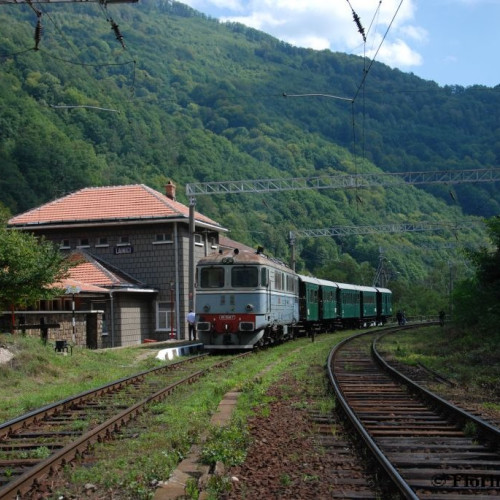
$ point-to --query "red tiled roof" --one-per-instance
(99, 204)
(82, 286)
(92, 276)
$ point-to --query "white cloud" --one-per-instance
(324, 24)
(207, 5)
(398, 54)
(416, 33)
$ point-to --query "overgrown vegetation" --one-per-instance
(169, 429)
(37, 375)
(195, 100)
(477, 300)
(461, 356)
(29, 267)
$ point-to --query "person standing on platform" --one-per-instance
(191, 319)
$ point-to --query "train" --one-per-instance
(245, 299)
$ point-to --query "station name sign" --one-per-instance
(124, 249)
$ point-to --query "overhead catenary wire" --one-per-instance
(38, 35)
(366, 71)
(285, 94)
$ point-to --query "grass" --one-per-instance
(465, 359)
(37, 375)
(169, 428)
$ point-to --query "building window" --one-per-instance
(165, 316)
(83, 243)
(198, 240)
(123, 241)
(102, 242)
(163, 238)
(64, 245)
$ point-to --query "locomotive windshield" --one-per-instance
(244, 277)
(212, 277)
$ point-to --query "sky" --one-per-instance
(451, 42)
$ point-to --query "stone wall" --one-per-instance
(87, 331)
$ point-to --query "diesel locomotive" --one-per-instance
(245, 299)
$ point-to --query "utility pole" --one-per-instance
(192, 205)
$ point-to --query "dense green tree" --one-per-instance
(193, 100)
(29, 267)
(477, 300)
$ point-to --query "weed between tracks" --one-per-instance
(169, 429)
(37, 376)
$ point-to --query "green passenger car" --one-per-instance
(384, 304)
(309, 299)
(349, 303)
(328, 300)
(368, 303)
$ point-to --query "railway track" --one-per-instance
(429, 448)
(35, 445)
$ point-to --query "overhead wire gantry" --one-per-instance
(340, 181)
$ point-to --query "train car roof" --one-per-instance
(342, 286)
(242, 257)
(309, 279)
(348, 286)
(328, 283)
(317, 281)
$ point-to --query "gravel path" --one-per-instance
(290, 459)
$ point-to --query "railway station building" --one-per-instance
(130, 283)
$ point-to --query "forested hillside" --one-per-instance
(190, 99)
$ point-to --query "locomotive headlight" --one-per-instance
(247, 326)
(203, 326)
(206, 308)
(249, 307)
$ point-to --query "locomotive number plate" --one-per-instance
(227, 317)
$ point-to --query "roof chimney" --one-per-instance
(170, 190)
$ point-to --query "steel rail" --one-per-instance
(484, 429)
(385, 463)
(489, 434)
(25, 483)
(52, 408)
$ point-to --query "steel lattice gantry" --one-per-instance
(340, 181)
(343, 181)
(343, 231)
(382, 228)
